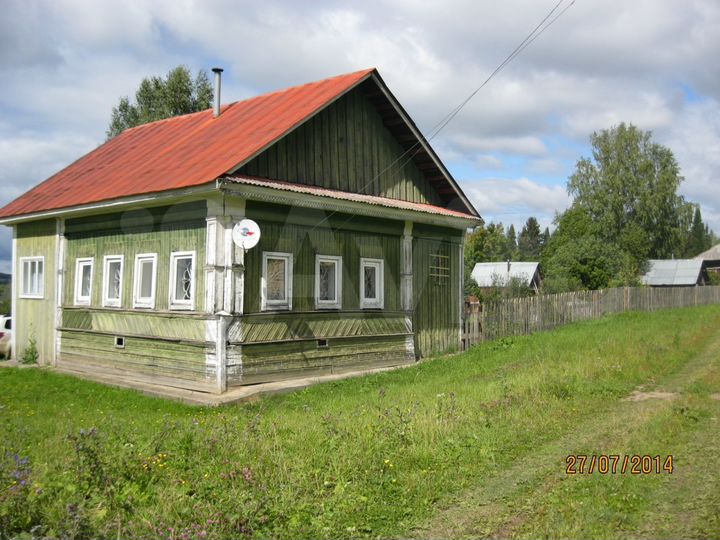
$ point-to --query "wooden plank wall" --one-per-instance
(279, 346)
(436, 293)
(352, 239)
(521, 316)
(159, 230)
(345, 146)
(169, 347)
(161, 346)
(36, 317)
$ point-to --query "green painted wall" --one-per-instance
(281, 346)
(36, 317)
(345, 146)
(436, 291)
(268, 327)
(159, 230)
(178, 326)
(280, 361)
(146, 359)
(169, 347)
(375, 239)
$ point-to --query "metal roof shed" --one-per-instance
(674, 273)
(499, 274)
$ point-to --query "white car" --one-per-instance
(5, 334)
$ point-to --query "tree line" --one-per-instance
(625, 210)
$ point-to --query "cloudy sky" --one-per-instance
(65, 63)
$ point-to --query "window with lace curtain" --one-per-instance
(182, 280)
(276, 282)
(328, 282)
(371, 283)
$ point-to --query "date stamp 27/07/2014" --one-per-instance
(617, 464)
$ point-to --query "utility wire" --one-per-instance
(536, 32)
(435, 130)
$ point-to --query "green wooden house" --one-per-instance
(124, 262)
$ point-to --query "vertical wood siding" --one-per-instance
(436, 293)
(375, 239)
(36, 317)
(345, 147)
(158, 230)
(168, 347)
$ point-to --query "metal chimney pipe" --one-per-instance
(216, 102)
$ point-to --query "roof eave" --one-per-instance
(307, 200)
(421, 139)
(145, 199)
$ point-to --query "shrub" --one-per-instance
(30, 354)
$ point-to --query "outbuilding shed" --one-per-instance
(674, 273)
(501, 274)
(711, 260)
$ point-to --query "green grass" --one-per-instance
(464, 446)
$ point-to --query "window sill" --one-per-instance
(175, 307)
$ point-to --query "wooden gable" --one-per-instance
(348, 146)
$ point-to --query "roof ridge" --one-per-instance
(249, 99)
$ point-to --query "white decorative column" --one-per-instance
(406, 269)
(461, 292)
(215, 283)
(235, 208)
(60, 250)
(14, 292)
(406, 287)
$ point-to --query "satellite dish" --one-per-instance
(246, 234)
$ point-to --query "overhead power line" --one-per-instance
(536, 32)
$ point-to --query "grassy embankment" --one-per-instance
(471, 445)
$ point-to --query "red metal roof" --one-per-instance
(348, 196)
(183, 151)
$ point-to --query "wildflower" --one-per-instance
(247, 474)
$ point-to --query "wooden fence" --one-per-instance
(519, 316)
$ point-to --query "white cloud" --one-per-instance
(29, 158)
(598, 65)
(514, 200)
(695, 140)
(488, 161)
(515, 145)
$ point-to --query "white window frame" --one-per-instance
(31, 292)
(267, 305)
(107, 259)
(373, 303)
(329, 304)
(173, 302)
(80, 263)
(139, 302)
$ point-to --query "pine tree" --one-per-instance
(545, 238)
(512, 248)
(698, 235)
(530, 240)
